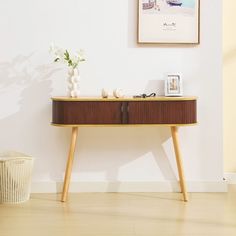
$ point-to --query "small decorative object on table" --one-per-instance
(173, 85)
(73, 62)
(118, 93)
(104, 93)
(144, 95)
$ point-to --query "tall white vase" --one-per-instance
(73, 80)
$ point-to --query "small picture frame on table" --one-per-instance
(173, 85)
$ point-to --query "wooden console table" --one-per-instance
(163, 111)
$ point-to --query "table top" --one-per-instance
(111, 99)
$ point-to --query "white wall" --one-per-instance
(106, 30)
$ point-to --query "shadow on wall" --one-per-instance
(26, 111)
(155, 86)
(19, 76)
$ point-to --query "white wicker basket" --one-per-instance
(15, 177)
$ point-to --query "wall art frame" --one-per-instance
(168, 22)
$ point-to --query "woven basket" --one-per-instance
(15, 177)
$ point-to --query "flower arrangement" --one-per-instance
(63, 55)
(72, 61)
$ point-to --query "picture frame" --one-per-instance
(173, 85)
(168, 22)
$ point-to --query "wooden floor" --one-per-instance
(125, 214)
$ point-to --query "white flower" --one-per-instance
(80, 55)
(59, 52)
(66, 57)
(74, 59)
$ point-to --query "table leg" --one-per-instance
(70, 159)
(174, 133)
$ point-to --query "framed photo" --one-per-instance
(168, 21)
(173, 85)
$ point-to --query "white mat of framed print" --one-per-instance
(168, 21)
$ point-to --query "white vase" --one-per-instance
(104, 93)
(73, 79)
(118, 93)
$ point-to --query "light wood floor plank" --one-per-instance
(125, 214)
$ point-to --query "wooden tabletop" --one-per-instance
(157, 98)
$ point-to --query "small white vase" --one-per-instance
(118, 93)
(104, 93)
(73, 79)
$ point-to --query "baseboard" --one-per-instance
(165, 186)
(230, 177)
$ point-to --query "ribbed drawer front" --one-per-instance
(162, 112)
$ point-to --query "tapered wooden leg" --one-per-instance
(69, 164)
(174, 133)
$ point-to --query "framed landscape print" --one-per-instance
(168, 21)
